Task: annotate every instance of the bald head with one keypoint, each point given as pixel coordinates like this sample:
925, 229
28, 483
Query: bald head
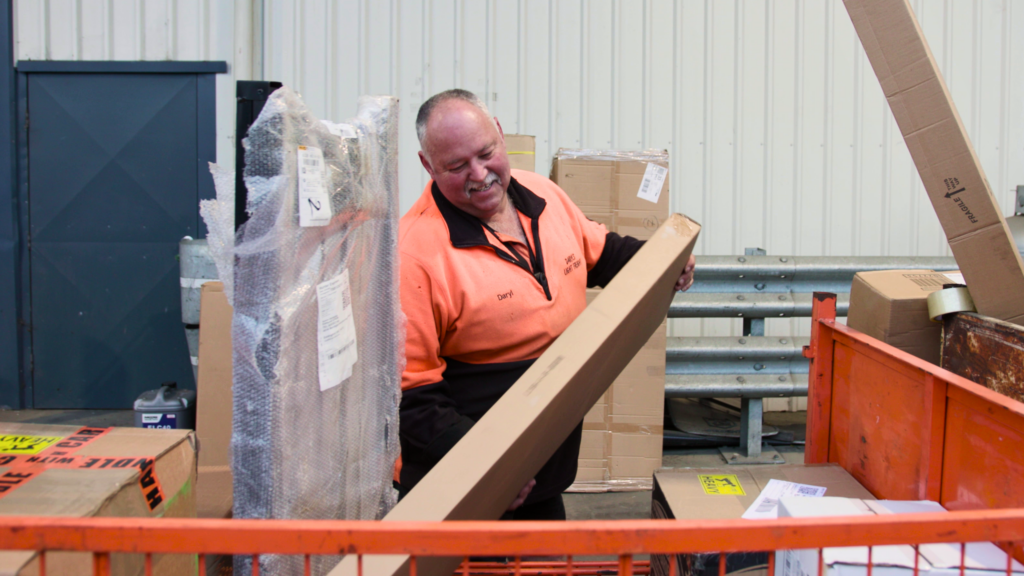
427, 108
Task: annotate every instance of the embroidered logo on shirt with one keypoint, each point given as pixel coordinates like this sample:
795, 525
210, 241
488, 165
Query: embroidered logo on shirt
505, 295
571, 263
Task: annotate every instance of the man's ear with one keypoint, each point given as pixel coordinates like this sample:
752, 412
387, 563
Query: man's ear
426, 164
500, 131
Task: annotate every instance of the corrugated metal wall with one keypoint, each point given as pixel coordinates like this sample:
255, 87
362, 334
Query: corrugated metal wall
777, 129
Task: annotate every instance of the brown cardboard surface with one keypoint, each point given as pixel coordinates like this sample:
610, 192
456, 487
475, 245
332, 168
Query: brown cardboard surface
639, 224
483, 472
104, 490
630, 416
214, 403
892, 306
942, 151
679, 494
587, 182
626, 183
606, 191
521, 150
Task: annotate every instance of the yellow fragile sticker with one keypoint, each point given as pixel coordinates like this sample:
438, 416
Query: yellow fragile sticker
721, 485
18, 444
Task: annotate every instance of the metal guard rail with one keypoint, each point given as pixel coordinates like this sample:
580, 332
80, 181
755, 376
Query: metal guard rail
622, 538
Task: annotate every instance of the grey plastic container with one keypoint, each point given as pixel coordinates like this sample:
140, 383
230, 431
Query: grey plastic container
167, 407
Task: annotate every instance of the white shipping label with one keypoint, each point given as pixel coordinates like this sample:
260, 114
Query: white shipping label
955, 278
654, 179
314, 204
766, 505
335, 331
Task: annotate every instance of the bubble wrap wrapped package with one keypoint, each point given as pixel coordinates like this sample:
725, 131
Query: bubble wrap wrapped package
318, 332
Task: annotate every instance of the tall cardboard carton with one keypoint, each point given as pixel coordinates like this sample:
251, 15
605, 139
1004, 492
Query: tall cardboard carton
214, 405
892, 306
622, 434
85, 471
942, 151
481, 475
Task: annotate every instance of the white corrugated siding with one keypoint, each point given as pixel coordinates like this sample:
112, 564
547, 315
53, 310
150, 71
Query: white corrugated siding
777, 129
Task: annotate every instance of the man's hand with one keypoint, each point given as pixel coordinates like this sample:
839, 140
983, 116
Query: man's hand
522, 495
686, 278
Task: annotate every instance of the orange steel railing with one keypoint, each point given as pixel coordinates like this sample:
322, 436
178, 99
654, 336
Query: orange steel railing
624, 539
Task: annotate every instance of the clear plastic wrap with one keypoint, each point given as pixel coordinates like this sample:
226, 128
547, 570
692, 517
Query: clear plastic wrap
219, 215
303, 448
649, 155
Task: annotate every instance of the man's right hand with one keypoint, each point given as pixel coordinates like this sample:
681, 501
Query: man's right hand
521, 497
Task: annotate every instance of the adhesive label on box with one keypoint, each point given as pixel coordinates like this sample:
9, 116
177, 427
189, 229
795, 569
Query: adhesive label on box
721, 485
314, 203
654, 179
18, 444
767, 503
340, 130
955, 278
335, 331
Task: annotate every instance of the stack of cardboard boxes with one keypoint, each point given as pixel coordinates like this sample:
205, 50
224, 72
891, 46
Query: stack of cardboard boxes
622, 433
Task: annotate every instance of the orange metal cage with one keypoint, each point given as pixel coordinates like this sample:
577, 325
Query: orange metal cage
904, 428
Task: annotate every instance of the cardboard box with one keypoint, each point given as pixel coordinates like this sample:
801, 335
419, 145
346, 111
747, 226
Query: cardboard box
104, 472
942, 151
726, 493
939, 559
622, 434
522, 151
481, 475
607, 187
892, 306
214, 403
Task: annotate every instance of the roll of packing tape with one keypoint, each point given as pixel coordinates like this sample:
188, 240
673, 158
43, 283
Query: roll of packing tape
948, 301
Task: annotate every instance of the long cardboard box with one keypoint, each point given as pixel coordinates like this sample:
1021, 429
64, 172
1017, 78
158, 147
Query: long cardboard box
213, 404
85, 471
726, 493
481, 475
942, 151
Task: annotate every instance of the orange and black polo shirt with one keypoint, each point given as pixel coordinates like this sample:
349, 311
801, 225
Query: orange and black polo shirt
480, 310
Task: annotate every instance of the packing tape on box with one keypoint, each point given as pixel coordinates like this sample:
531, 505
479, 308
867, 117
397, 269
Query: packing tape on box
948, 301
624, 428
29, 456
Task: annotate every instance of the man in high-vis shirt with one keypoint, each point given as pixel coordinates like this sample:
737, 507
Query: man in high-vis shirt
494, 266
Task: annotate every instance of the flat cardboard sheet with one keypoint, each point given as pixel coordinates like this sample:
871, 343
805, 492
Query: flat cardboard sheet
213, 403
481, 475
942, 151
85, 472
892, 306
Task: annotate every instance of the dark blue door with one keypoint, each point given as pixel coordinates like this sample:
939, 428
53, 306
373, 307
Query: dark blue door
113, 174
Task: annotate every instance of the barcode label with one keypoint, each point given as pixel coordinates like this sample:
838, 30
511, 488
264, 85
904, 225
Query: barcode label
314, 202
766, 505
336, 331
654, 180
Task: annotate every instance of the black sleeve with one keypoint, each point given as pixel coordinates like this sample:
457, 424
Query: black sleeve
617, 251
429, 426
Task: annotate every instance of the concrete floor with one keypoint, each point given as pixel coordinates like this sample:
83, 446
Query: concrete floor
600, 506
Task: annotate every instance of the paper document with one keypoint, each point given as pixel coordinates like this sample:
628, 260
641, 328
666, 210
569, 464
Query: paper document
335, 331
767, 503
955, 278
314, 202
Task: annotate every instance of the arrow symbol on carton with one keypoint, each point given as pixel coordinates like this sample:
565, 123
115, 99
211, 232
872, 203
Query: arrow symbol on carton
954, 193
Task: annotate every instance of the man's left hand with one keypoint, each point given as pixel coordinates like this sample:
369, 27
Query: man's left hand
686, 278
